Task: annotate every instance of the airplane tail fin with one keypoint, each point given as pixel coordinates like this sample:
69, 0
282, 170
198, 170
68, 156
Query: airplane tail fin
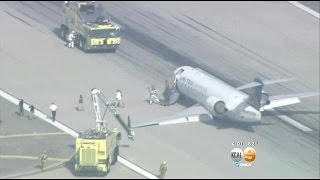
262, 101
255, 95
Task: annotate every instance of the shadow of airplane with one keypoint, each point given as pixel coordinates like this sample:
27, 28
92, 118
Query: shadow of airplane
185, 101
182, 100
226, 123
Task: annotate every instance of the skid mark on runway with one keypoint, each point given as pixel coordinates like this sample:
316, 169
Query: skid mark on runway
37, 11
157, 48
271, 66
21, 20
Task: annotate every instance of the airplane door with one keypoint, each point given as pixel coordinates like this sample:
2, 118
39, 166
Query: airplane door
171, 93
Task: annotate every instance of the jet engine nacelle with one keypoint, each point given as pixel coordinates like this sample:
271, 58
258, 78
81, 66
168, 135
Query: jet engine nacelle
264, 99
216, 105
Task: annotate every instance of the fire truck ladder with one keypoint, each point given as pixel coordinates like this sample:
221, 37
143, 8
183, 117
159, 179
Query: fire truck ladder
100, 122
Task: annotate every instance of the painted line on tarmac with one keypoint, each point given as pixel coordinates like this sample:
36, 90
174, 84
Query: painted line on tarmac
33, 134
35, 171
305, 8
136, 168
39, 114
31, 158
291, 121
73, 133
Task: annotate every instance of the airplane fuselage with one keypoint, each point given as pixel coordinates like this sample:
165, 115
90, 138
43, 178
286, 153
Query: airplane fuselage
219, 98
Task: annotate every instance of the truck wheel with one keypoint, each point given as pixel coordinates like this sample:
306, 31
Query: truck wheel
108, 165
63, 33
115, 155
83, 45
75, 171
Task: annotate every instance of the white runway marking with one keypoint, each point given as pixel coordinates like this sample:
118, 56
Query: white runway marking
291, 121
305, 8
74, 134
136, 168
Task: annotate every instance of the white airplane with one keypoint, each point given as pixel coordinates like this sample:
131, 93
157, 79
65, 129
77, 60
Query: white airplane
221, 100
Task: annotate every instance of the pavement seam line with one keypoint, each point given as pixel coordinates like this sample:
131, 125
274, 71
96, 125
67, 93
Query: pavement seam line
32, 134
31, 158
33, 172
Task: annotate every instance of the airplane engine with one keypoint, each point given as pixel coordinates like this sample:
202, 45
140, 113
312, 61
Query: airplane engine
216, 105
264, 99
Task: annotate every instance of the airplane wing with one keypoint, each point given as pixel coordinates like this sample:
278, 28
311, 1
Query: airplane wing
265, 82
191, 114
288, 99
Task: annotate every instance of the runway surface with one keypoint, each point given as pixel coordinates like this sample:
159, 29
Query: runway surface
235, 41
23, 139
314, 5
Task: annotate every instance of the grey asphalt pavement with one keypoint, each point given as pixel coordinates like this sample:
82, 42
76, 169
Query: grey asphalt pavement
22, 138
236, 41
314, 5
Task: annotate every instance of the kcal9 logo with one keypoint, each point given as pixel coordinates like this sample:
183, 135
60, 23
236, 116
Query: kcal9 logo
249, 154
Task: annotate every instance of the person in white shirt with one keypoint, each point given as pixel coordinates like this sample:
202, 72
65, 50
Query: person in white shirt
71, 37
118, 98
53, 109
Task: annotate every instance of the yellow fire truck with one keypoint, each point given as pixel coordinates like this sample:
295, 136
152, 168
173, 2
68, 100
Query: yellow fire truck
92, 30
98, 148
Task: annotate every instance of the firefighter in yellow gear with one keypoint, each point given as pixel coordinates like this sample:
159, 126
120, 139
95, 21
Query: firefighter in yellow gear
43, 158
163, 169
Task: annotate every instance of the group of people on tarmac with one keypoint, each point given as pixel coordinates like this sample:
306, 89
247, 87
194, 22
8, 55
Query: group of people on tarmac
118, 102
153, 92
154, 97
